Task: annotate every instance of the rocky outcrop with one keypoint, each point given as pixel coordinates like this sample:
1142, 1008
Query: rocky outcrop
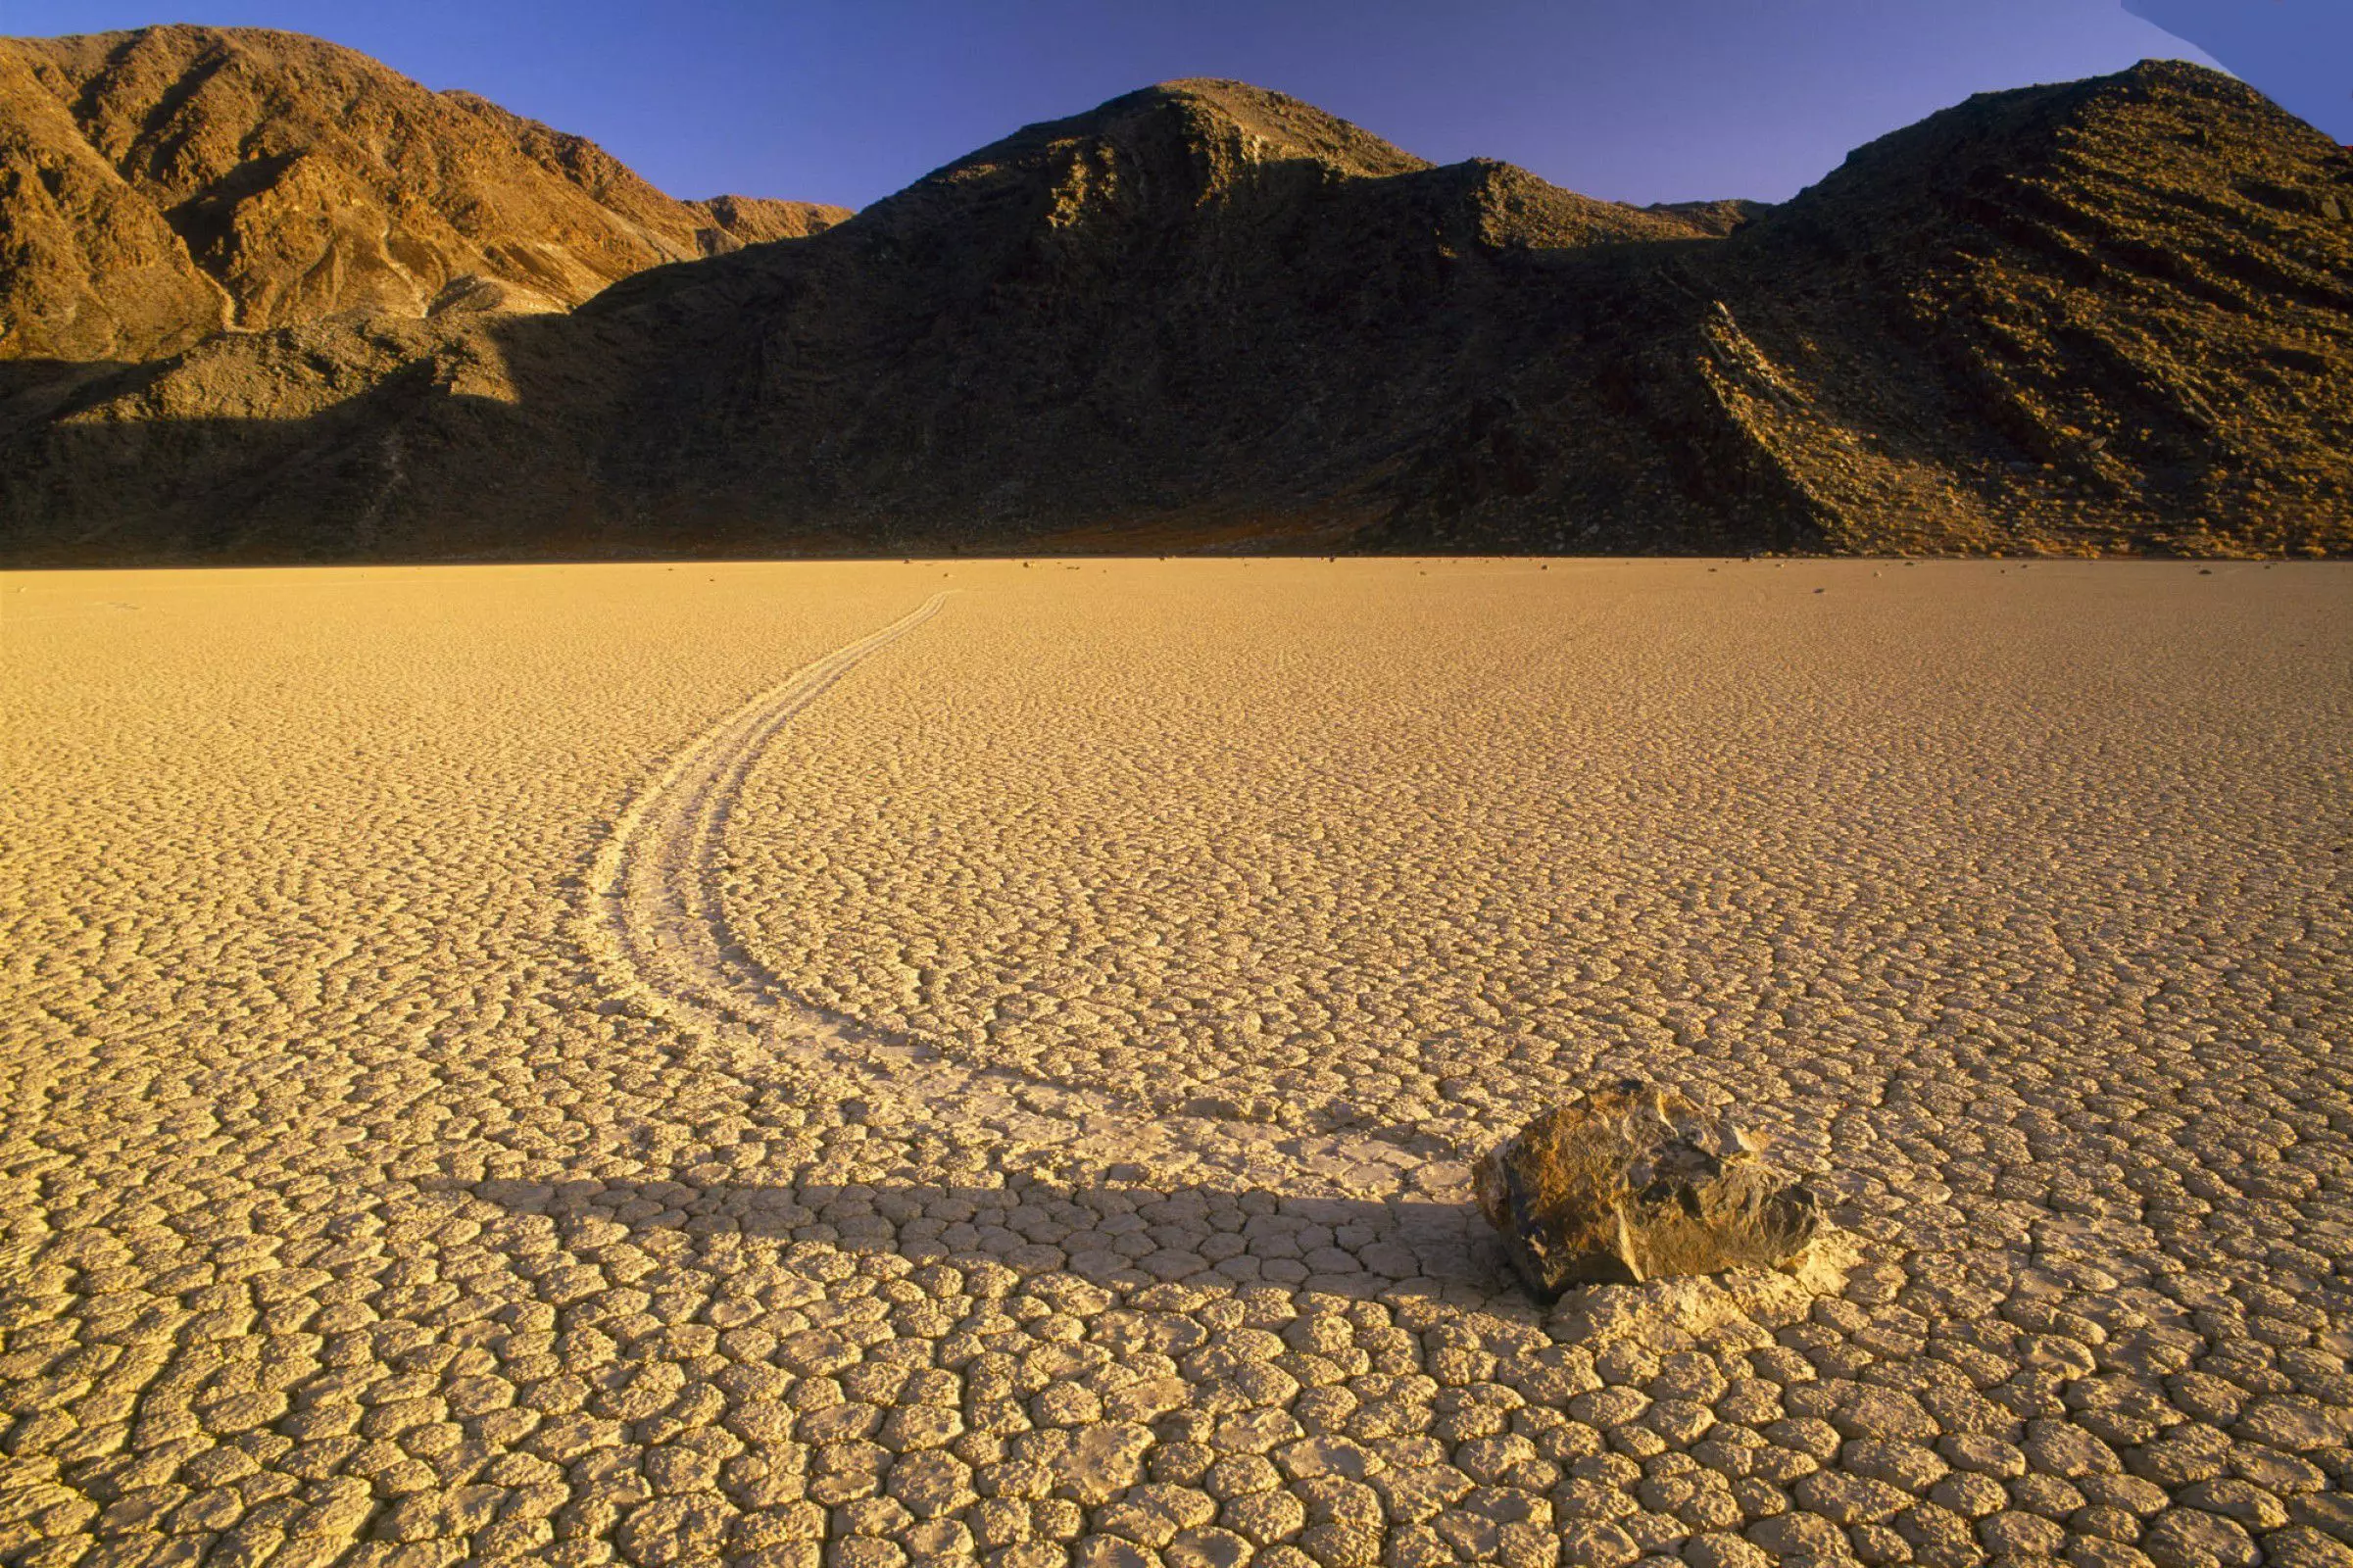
158, 185
680, 229
739, 220
1636, 1183
89, 270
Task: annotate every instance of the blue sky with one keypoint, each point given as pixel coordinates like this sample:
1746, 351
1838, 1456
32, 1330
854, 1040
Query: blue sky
1638, 100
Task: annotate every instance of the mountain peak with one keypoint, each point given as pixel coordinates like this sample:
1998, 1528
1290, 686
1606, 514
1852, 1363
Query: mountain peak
1254, 125
1284, 125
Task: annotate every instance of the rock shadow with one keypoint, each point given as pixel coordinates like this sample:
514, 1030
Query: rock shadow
1113, 1234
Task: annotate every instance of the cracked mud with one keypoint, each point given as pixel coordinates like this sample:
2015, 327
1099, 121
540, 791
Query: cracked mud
875, 1063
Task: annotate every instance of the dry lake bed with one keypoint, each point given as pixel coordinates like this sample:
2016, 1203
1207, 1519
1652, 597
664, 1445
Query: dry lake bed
886, 1062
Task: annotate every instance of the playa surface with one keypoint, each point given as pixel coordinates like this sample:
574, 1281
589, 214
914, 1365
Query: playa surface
885, 1061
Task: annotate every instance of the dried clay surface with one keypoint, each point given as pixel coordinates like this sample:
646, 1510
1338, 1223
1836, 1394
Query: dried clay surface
933, 1062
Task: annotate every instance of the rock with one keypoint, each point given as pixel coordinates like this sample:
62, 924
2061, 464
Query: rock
1637, 1182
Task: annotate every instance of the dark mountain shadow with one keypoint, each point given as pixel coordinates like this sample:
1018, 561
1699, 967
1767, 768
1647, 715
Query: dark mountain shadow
51, 390
748, 412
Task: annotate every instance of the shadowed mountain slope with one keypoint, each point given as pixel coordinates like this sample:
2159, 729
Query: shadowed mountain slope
1203, 300
2112, 315
2106, 316
159, 185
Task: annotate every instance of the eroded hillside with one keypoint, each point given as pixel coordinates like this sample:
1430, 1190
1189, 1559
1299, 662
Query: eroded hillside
162, 185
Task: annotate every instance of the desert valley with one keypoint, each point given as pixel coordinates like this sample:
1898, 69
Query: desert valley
537, 1029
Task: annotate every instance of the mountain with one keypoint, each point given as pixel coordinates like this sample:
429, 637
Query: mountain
2113, 314
1203, 301
160, 185
2101, 317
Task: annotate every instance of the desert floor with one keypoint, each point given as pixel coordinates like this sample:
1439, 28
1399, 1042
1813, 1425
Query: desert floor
954, 1060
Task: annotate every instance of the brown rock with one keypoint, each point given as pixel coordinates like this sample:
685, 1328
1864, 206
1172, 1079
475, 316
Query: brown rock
88, 269
1637, 1183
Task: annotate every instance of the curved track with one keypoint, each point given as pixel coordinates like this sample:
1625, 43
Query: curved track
659, 927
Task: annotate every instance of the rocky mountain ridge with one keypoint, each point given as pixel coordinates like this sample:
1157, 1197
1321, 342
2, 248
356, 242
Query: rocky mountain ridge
163, 184
2102, 317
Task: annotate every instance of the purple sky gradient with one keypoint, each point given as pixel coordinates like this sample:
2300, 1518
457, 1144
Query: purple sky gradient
2299, 51
848, 100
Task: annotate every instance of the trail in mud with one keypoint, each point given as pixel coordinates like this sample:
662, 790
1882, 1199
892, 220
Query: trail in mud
658, 929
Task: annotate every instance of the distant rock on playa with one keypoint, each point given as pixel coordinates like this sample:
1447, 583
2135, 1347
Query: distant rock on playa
1637, 1182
